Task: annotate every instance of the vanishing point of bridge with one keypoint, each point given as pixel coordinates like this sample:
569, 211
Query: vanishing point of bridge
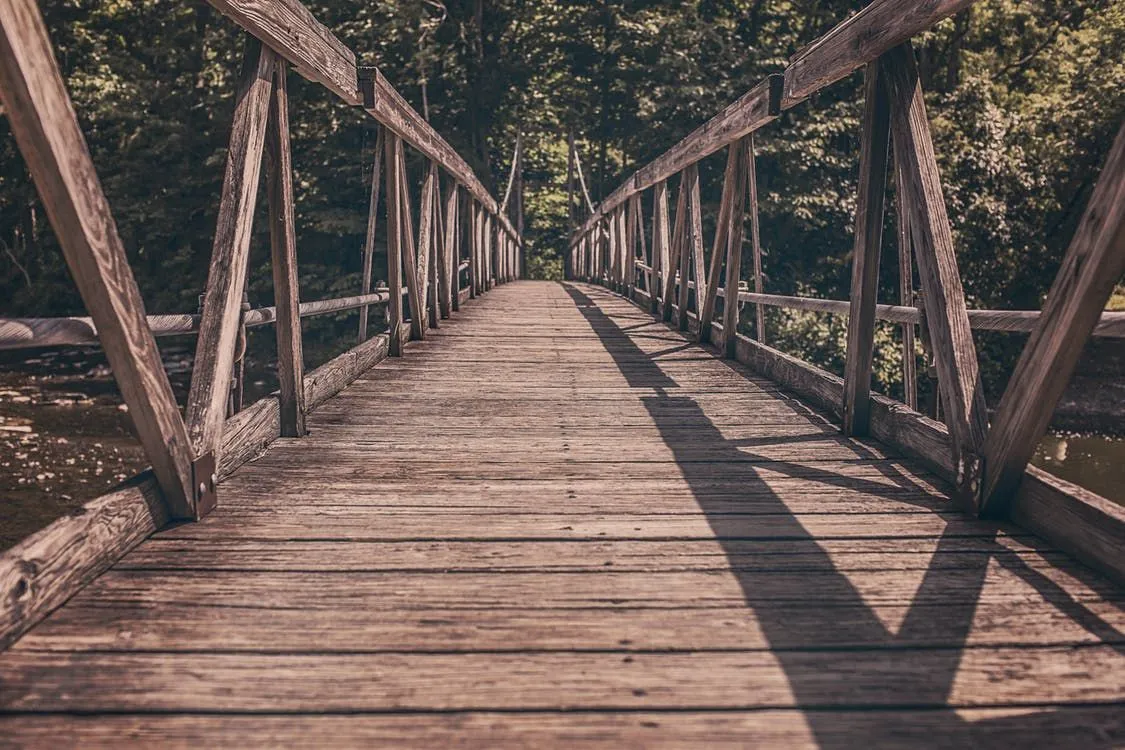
547, 514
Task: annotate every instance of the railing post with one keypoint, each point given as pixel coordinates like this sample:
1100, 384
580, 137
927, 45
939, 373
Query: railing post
49, 137
394, 243
734, 246
660, 259
283, 252
426, 237
873, 160
1093, 264
676, 250
447, 254
226, 279
906, 299
946, 314
369, 238
755, 238
706, 302
414, 285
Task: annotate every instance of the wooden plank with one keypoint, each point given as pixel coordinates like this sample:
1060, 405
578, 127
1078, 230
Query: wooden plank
369, 238
427, 236
906, 299
290, 30
691, 260
947, 319
1094, 263
863, 38
283, 252
226, 278
756, 242
415, 285
676, 247
734, 246
866, 252
53, 147
447, 253
661, 259
706, 300
395, 230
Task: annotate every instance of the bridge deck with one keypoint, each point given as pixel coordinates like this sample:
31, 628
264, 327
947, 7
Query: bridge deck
556, 521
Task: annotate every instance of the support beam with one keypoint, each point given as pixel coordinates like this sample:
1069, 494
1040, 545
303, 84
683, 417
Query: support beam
737, 222
369, 238
946, 316
676, 251
660, 243
706, 301
283, 252
410, 254
756, 240
226, 279
427, 202
393, 147
906, 299
447, 255
49, 137
1094, 263
868, 247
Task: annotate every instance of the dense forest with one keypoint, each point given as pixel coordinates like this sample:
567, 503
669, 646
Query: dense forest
1024, 95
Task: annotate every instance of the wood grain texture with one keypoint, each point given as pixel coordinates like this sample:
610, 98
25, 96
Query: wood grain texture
731, 316
1094, 263
395, 230
875, 30
47, 132
755, 244
947, 319
369, 237
291, 31
875, 144
226, 278
415, 285
427, 234
731, 192
283, 253
661, 242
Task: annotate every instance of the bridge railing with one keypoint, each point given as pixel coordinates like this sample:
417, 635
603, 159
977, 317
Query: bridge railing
987, 463
464, 244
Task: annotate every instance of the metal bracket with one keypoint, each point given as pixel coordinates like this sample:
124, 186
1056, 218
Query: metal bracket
204, 480
970, 480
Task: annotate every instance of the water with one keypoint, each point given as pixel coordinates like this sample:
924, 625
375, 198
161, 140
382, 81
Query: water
1094, 462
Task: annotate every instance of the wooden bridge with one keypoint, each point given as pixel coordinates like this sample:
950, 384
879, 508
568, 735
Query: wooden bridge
590, 512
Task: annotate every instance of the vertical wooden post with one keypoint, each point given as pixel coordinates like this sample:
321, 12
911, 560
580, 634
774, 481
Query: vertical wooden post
283, 250
455, 251
706, 301
570, 195
394, 242
906, 299
755, 239
946, 313
369, 239
625, 267
1094, 263
49, 137
226, 279
447, 255
660, 241
874, 150
426, 235
691, 253
671, 280
734, 247
473, 216
630, 250
414, 285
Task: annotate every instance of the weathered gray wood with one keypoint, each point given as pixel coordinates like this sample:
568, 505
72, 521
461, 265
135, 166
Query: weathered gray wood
756, 241
691, 256
1094, 263
226, 278
731, 191
415, 284
395, 232
860, 40
906, 298
283, 251
671, 276
290, 30
427, 236
53, 147
946, 316
661, 259
866, 252
744, 171
369, 238
447, 253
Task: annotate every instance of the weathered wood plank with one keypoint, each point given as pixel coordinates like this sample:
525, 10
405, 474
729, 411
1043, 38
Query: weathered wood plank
1094, 263
55, 151
710, 292
283, 252
226, 278
734, 246
866, 252
369, 237
947, 319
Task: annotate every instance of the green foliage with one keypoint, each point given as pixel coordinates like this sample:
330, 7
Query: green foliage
1024, 97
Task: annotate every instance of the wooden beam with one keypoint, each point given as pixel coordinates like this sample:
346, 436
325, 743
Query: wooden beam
369, 238
226, 279
863, 38
676, 251
660, 243
755, 239
55, 151
289, 29
946, 315
867, 249
393, 147
1093, 265
283, 252
737, 222
694, 246
414, 284
447, 254
906, 299
706, 301
426, 233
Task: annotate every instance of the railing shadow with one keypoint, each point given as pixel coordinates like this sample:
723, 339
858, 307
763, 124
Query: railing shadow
826, 628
